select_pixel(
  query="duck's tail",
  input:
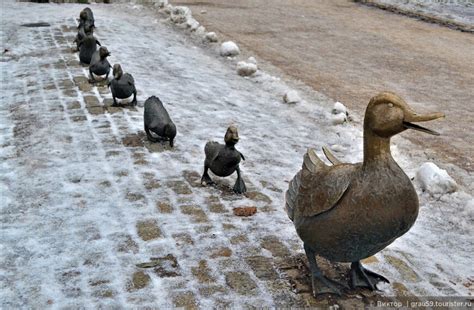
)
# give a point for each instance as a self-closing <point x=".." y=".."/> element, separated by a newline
<point x="312" y="164"/>
<point x="291" y="195"/>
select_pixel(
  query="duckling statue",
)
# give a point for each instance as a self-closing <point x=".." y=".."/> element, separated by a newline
<point x="223" y="160"/>
<point x="157" y="120"/>
<point x="348" y="212"/>
<point x="99" y="67"/>
<point x="87" y="47"/>
<point x="86" y="18"/>
<point x="122" y="86"/>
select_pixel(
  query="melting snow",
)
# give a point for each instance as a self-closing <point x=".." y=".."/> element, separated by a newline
<point x="66" y="207"/>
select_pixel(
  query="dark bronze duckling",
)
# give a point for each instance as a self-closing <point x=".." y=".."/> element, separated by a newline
<point x="157" y="120"/>
<point x="348" y="212"/>
<point x="223" y="160"/>
<point x="99" y="67"/>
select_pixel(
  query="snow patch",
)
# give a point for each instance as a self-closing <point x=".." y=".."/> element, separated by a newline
<point x="211" y="37"/>
<point x="291" y="96"/>
<point x="246" y="68"/>
<point x="229" y="49"/>
<point x="435" y="180"/>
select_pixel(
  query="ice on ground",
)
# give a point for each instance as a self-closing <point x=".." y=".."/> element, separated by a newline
<point x="211" y="37"/>
<point x="192" y="24"/>
<point x="180" y="14"/>
<point x="252" y="60"/>
<point x="229" y="49"/>
<point x="435" y="180"/>
<point x="291" y="97"/>
<point x="246" y="68"/>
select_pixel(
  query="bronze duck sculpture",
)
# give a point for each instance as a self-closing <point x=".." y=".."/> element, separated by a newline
<point x="223" y="160"/>
<point x="348" y="212"/>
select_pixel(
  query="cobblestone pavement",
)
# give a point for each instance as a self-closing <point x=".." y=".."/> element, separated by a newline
<point x="96" y="216"/>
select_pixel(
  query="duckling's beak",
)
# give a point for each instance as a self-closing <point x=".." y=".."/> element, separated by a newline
<point x="411" y="116"/>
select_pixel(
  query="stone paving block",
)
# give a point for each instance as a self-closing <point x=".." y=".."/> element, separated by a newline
<point x="192" y="177"/>
<point x="203" y="273"/>
<point x="127" y="245"/>
<point x="214" y="205"/>
<point x="208" y="291"/>
<point x="183" y="239"/>
<point x="257" y="196"/>
<point x="179" y="187"/>
<point x="196" y="213"/>
<point x="69" y="93"/>
<point x="79" y="118"/>
<point x="83" y="83"/>
<point x="135" y="196"/>
<point x="152" y="184"/>
<point x="132" y="140"/>
<point x="92" y="101"/>
<point x="221" y="252"/>
<point x="139" y="280"/>
<point x="113" y="110"/>
<point x="157" y="147"/>
<point x="148" y="230"/>
<point x="242" y="238"/>
<point x="165" y="267"/>
<point x="402" y="267"/>
<point x="95" y="110"/>
<point x="164" y="207"/>
<point x="186" y="300"/>
<point x="241" y="283"/>
<point x="262" y="267"/>
<point x="275" y="246"/>
<point x="66" y="83"/>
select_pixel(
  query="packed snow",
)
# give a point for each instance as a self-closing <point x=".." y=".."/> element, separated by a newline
<point x="291" y="96"/>
<point x="65" y="210"/>
<point x="246" y="68"/>
<point x="229" y="49"/>
<point x="435" y="180"/>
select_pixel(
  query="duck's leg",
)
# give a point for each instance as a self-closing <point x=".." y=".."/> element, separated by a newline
<point x="321" y="284"/>
<point x="134" y="101"/>
<point x="150" y="136"/>
<point x="239" y="186"/>
<point x="91" y="79"/>
<point x="206" y="179"/>
<point x="361" y="277"/>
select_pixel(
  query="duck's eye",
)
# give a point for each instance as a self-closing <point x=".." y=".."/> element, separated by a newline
<point x="390" y="105"/>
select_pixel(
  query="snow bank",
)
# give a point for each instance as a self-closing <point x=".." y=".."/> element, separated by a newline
<point x="339" y="114"/>
<point x="180" y="14"/>
<point x="435" y="180"/>
<point x="229" y="49"/>
<point x="291" y="96"/>
<point x="246" y="68"/>
<point x="211" y="37"/>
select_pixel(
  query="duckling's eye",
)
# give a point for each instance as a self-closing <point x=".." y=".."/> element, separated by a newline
<point x="390" y="105"/>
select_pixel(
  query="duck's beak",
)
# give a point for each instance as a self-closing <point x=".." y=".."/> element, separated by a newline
<point x="411" y="116"/>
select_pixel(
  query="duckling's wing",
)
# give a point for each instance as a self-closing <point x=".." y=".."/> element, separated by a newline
<point x="212" y="149"/>
<point x="321" y="186"/>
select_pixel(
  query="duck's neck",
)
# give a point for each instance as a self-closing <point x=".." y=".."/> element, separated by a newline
<point x="230" y="145"/>
<point x="376" y="149"/>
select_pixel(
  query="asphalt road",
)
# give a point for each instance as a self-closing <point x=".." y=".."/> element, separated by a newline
<point x="350" y="52"/>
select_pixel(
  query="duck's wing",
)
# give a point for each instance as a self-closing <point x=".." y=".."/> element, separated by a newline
<point x="212" y="149"/>
<point x="317" y="187"/>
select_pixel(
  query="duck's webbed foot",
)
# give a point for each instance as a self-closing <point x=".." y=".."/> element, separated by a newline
<point x="361" y="277"/>
<point x="239" y="186"/>
<point x="321" y="284"/>
<point x="206" y="179"/>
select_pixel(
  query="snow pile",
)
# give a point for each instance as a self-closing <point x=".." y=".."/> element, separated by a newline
<point x="229" y="49"/>
<point x="211" y="37"/>
<point x="339" y="114"/>
<point x="180" y="14"/>
<point x="435" y="180"/>
<point x="291" y="96"/>
<point x="246" y="68"/>
<point x="161" y="3"/>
